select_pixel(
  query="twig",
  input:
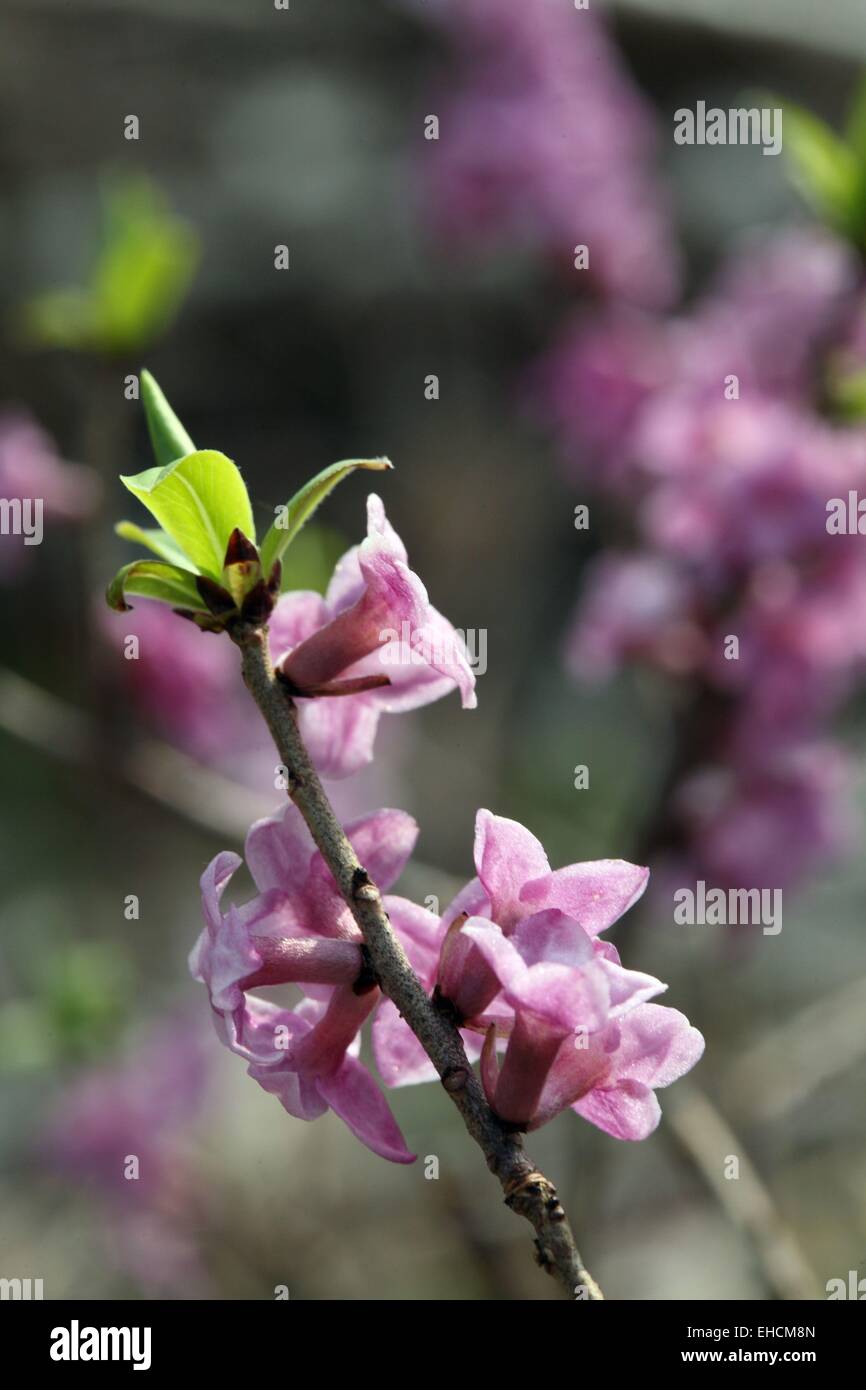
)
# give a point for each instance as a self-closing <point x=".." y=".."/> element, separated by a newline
<point x="527" y="1191"/>
<point x="708" y="1140"/>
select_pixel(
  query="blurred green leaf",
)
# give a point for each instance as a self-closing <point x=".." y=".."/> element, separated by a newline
<point x="154" y="579"/>
<point x="304" y="503"/>
<point x="84" y="993"/>
<point x="198" y="500"/>
<point x="137" y="283"/>
<point x="847" y="392"/>
<point x="825" y="168"/>
<point x="26" y="1043"/>
<point x="168" y="437"/>
<point x="310" y="562"/>
<point x="855" y="125"/>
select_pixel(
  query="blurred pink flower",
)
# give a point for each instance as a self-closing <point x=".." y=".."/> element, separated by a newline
<point x="186" y="683"/>
<point x="730" y="494"/>
<point x="772" y="312"/>
<point x="634" y="607"/>
<point x="140" y="1110"/>
<point x="765" y="824"/>
<point x="544" y="140"/>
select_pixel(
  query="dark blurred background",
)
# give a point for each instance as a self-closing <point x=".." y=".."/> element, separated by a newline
<point x="306" y="129"/>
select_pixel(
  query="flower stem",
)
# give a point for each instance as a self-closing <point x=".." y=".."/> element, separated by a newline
<point x="527" y="1191"/>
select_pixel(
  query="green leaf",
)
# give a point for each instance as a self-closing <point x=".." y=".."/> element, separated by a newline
<point x="168" y="437"/>
<point x="304" y="503"/>
<point x="154" y="539"/>
<point x="824" y="166"/>
<point x="142" y="270"/>
<point x="198" y="500"/>
<point x="154" y="579"/>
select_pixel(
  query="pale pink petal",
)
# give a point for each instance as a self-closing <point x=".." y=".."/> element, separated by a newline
<point x="420" y="934"/>
<point x="298" y="1095"/>
<point x="296" y="616"/>
<point x="595" y="893"/>
<point x="339" y="732"/>
<point x="506" y="855"/>
<point x="657" y="1045"/>
<point x="400" y="1058"/>
<point x="278" y="851"/>
<point x="629" y="1110"/>
<point x="565" y="998"/>
<point x="213" y="884"/>
<point x="628" y="988"/>
<point x="383" y="843"/>
<point x="352" y="1094"/>
<point x="553" y="937"/>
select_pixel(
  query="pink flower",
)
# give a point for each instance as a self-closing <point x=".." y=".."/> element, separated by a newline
<point x="376" y="628"/>
<point x="516" y="956"/>
<point x="298" y="930"/>
<point x="514" y="883"/>
<point x="609" y="1078"/>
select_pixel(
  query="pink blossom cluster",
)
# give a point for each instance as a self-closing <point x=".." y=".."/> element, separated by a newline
<point x="544" y="142"/>
<point x="707" y="429"/>
<point x="516" y="960"/>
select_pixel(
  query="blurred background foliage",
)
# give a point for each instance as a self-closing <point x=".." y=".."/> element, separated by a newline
<point x="260" y="128"/>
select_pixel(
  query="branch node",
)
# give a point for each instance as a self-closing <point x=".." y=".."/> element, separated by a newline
<point x="363" y="887"/>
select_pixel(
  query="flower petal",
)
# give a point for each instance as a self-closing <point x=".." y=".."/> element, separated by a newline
<point x="595" y="894"/>
<point x="506" y="855"/>
<point x="383" y="843"/>
<point x="628" y="1110"/>
<point x="352" y="1094"/>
